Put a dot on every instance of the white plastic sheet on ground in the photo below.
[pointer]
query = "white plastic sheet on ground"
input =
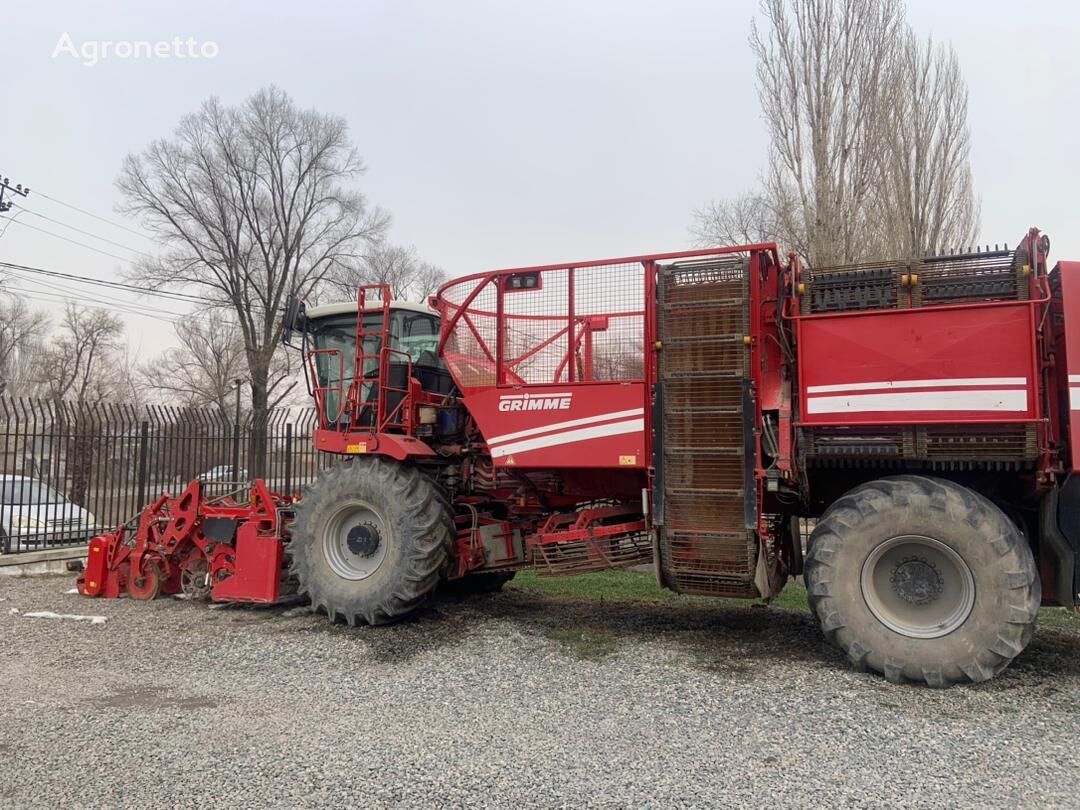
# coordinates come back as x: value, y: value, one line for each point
x: 74, y: 617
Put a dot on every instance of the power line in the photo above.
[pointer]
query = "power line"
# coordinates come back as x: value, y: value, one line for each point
x: 148, y: 309
x: 48, y: 297
x: 9, y: 221
x: 72, y: 241
x: 120, y: 285
x: 91, y: 234
x: 52, y: 298
x: 89, y: 214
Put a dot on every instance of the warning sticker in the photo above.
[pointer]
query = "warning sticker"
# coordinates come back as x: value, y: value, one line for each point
x: 627, y: 461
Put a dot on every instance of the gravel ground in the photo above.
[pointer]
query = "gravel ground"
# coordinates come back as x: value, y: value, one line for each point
x: 518, y: 699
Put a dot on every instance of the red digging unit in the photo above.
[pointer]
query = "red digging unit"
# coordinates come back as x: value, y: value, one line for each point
x: 693, y: 411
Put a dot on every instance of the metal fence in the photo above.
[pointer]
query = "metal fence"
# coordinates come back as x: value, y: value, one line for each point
x: 70, y: 471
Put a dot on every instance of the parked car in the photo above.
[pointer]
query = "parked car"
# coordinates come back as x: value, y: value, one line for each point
x: 223, y: 473
x: 35, y: 516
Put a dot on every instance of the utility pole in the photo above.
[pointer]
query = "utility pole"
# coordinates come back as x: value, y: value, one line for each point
x: 5, y: 185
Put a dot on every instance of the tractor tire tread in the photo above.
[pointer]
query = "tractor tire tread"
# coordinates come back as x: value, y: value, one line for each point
x: 954, y: 502
x: 427, y: 546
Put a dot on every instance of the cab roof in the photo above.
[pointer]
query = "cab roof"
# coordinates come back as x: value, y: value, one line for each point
x: 349, y: 307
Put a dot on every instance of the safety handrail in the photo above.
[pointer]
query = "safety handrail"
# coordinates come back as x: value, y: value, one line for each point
x: 386, y: 420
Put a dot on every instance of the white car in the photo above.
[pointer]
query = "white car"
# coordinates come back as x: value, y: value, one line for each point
x: 34, y: 516
x: 222, y: 473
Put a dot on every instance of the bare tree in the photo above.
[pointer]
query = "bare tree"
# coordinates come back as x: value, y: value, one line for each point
x: 82, y: 365
x: 743, y: 220
x: 428, y: 279
x: 869, y: 143
x: 394, y: 265
x: 202, y: 371
x: 822, y: 80
x: 84, y: 361
x: 926, y: 196
x: 21, y: 329
x: 253, y: 204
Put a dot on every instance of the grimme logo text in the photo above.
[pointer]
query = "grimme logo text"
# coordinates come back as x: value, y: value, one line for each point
x: 535, y: 402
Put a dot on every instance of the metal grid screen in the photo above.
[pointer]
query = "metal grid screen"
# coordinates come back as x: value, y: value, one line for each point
x: 470, y: 345
x: 573, y: 324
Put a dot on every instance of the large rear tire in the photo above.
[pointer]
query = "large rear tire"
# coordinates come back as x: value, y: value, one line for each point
x: 922, y: 579
x: 370, y: 540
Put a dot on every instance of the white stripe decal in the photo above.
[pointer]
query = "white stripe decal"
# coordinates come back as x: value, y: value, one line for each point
x: 969, y: 382
x: 1074, y: 397
x: 1074, y: 378
x: 554, y: 426
x: 991, y: 400
x: 568, y: 436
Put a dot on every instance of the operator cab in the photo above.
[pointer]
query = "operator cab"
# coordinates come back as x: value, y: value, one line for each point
x: 413, y: 332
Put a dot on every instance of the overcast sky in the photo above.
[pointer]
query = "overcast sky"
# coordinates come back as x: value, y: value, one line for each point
x: 498, y: 133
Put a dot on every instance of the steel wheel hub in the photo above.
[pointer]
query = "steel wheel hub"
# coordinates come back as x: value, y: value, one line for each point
x: 354, y: 542
x: 918, y: 586
x: 195, y: 576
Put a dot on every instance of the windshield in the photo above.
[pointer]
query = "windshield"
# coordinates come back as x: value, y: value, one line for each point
x: 416, y: 333
x: 26, y: 493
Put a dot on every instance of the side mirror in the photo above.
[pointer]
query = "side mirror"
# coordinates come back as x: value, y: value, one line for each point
x: 294, y: 319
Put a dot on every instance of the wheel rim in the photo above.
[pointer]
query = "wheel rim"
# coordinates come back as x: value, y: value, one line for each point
x: 918, y: 586
x: 146, y: 586
x: 354, y: 542
x: 195, y: 576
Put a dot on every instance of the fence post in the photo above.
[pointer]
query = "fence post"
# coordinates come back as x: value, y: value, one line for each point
x: 288, y: 458
x: 236, y: 448
x: 144, y: 447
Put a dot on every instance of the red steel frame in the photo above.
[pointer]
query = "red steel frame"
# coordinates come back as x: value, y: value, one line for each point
x: 597, y: 396
x: 882, y: 339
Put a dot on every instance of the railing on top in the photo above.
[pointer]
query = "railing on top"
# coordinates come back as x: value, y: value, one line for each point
x: 582, y: 323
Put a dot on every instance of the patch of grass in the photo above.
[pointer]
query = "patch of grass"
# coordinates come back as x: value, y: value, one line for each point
x: 637, y: 586
x: 793, y: 597
x: 584, y: 643
x: 616, y: 586
x: 1059, y: 617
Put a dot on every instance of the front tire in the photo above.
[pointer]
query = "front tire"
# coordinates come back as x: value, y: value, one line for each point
x: 370, y: 540
x: 922, y: 579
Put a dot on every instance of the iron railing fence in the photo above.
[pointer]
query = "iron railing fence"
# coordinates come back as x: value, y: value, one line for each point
x: 69, y: 471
